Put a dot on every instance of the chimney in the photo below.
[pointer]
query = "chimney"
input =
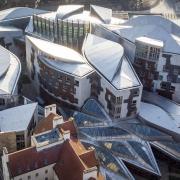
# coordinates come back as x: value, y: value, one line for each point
x: 49, y: 109
x: 66, y: 135
x: 57, y: 120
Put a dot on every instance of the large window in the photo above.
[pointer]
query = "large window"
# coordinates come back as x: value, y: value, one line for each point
x: 20, y: 141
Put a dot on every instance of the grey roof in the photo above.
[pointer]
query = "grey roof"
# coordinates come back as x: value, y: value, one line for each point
x: 65, y: 11
x: 108, y: 58
x: 10, y: 69
x: 159, y: 117
x: 19, y: 12
x: 155, y: 27
x: 105, y: 14
x: 17, y: 118
x: 63, y: 58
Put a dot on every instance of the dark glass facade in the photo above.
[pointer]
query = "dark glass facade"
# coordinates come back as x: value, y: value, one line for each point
x: 67, y: 33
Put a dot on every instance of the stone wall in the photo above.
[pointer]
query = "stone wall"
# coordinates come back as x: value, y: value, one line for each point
x: 8, y: 140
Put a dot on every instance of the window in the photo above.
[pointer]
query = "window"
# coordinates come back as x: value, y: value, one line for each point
x: 37, y: 174
x: 119, y: 100
x: 46, y: 178
x: 29, y: 177
x: 76, y: 100
x: 2, y: 101
x: 76, y: 83
x: 74, y: 90
x: 20, y: 144
x: 67, y: 79
x: 46, y: 171
x: 118, y: 110
x: 134, y: 102
x: 136, y: 93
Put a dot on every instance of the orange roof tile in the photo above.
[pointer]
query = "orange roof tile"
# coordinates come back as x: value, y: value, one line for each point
x: 45, y: 124
x: 71, y: 161
x: 89, y: 158
x: 69, y: 125
x: 30, y: 159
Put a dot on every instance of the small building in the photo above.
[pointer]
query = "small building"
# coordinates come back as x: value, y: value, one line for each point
x: 16, y: 126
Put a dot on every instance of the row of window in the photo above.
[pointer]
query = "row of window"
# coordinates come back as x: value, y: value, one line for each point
x: 142, y: 51
x: 36, y: 175
x: 64, y: 32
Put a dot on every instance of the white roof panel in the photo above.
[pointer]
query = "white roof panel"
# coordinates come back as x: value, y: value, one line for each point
x: 16, y: 118
x: 66, y: 59
x: 84, y: 17
x: 154, y: 27
x: 108, y: 58
x: 19, y: 12
x: 62, y: 53
x: 105, y: 14
x: 9, y: 80
x: 79, y: 70
x: 151, y: 41
x: 5, y: 61
x: 67, y: 10
x: 157, y: 116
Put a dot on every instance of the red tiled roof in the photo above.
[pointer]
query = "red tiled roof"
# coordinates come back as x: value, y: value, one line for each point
x: 70, y: 161
x: 69, y: 165
x: 30, y: 159
x: 45, y: 124
x: 89, y: 159
x: 69, y: 125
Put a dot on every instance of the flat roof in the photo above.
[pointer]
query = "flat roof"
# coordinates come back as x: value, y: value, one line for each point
x: 17, y: 118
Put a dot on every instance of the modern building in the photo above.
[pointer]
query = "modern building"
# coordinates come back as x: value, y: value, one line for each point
x: 53, y: 154
x: 152, y: 43
x: 69, y: 24
x: 16, y: 126
x: 101, y: 69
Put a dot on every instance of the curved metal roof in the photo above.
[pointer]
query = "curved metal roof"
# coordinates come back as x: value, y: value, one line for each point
x: 154, y: 27
x: 108, y: 58
x: 10, y: 71
x: 59, y: 52
x: 5, y: 61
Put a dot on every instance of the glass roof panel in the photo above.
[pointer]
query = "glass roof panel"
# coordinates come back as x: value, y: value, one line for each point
x: 93, y: 108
